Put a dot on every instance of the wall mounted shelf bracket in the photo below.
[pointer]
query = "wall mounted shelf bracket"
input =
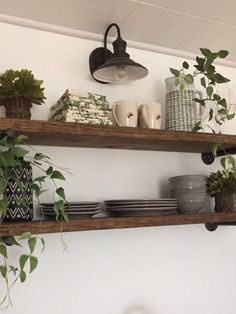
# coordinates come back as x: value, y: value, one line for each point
x: 214, y: 226
x: 208, y: 158
x: 8, y: 132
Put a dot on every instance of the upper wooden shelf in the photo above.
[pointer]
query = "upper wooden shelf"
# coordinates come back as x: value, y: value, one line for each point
x: 82, y: 135
x: 49, y: 226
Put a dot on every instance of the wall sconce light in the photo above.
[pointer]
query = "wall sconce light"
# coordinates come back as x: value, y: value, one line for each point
x: 117, y: 67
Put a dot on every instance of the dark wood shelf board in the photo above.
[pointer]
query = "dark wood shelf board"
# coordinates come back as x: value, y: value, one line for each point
x: 49, y: 226
x: 94, y: 136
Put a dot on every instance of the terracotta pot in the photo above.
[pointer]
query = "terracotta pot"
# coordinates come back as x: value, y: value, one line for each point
x: 224, y: 202
x: 18, y: 107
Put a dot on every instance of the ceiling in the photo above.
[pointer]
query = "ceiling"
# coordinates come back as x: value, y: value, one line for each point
x: 180, y: 25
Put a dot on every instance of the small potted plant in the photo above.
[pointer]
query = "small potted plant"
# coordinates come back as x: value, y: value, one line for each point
x: 222, y: 183
x: 18, y: 91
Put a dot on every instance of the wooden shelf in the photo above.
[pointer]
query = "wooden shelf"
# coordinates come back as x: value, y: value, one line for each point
x: 46, y: 226
x: 81, y: 135
x: 94, y: 136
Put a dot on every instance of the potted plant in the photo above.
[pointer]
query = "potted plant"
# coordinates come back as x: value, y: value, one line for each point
x: 209, y: 79
x: 222, y: 183
x: 16, y: 189
x: 18, y: 91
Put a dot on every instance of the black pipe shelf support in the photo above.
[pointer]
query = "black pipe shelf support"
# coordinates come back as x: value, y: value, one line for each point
x: 8, y: 132
x: 208, y: 158
x: 213, y: 226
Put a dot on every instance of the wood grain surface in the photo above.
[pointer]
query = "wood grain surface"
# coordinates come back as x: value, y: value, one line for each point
x: 50, y: 226
x: 95, y: 136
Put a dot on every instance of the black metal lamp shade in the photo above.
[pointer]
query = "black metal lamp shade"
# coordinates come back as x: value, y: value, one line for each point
x: 117, y: 67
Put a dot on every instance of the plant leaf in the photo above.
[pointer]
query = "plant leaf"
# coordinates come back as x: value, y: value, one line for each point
x: 32, y: 243
x: 23, y: 259
x: 223, y: 53
x: 3, y: 141
x: 40, y: 156
x: 209, y: 91
x: 21, y: 138
x: 214, y: 149
x: 10, y: 240
x: 43, y: 244
x: 3, y: 250
x: 185, y: 65
x: 57, y: 175
x: 3, y: 271
x: 49, y: 171
x: 220, y: 78
x: 188, y: 79
x: 60, y: 191
x: 175, y: 72
x: 230, y: 116
x: 22, y: 276
x: 210, y: 114
x: 203, y: 82
x: 33, y: 263
x: 206, y: 52
x: 19, y: 151
x: 25, y: 236
x: 223, y: 161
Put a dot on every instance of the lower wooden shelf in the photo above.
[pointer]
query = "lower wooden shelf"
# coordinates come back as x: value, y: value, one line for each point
x: 49, y: 226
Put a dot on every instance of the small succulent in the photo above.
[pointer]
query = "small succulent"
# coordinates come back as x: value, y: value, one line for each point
x: 21, y: 83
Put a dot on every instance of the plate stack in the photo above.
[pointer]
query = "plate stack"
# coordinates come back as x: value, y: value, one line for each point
x: 81, y: 107
x: 159, y: 207
x: 74, y: 210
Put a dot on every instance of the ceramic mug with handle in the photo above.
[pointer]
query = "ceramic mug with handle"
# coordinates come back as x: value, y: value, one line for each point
x: 150, y: 115
x: 125, y: 113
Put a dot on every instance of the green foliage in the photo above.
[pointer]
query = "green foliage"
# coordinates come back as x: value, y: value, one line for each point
x: 21, y: 83
x: 209, y: 78
x: 223, y: 180
x: 12, y: 155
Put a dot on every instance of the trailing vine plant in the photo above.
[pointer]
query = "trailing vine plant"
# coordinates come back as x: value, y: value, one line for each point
x: 12, y: 155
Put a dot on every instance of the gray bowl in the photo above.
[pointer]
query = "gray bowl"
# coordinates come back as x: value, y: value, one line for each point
x: 188, y: 190
x: 188, y: 182
x: 190, y: 207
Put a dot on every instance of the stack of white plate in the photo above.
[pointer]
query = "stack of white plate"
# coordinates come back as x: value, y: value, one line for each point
x: 151, y: 207
x: 74, y: 210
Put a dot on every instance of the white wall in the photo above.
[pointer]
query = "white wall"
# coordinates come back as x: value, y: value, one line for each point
x: 166, y: 270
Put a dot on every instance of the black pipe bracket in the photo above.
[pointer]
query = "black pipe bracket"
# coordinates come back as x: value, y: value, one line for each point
x: 8, y: 132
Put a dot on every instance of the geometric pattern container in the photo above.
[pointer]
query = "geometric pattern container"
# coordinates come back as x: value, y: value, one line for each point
x: 19, y: 188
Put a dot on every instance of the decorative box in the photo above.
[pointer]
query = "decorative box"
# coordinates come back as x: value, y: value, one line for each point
x: 81, y: 107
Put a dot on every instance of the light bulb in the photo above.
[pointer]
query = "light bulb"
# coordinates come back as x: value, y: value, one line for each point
x: 120, y: 73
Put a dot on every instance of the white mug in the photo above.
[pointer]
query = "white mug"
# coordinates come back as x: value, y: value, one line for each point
x: 125, y: 113
x: 150, y: 115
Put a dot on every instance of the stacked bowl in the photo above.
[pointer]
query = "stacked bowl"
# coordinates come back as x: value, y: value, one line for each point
x: 190, y: 192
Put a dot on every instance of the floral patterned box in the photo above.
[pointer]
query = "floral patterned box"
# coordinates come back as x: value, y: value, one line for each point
x: 81, y: 107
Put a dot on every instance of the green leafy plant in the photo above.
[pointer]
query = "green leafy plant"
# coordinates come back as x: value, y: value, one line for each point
x: 223, y: 180
x: 209, y: 79
x: 21, y: 83
x: 12, y: 155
